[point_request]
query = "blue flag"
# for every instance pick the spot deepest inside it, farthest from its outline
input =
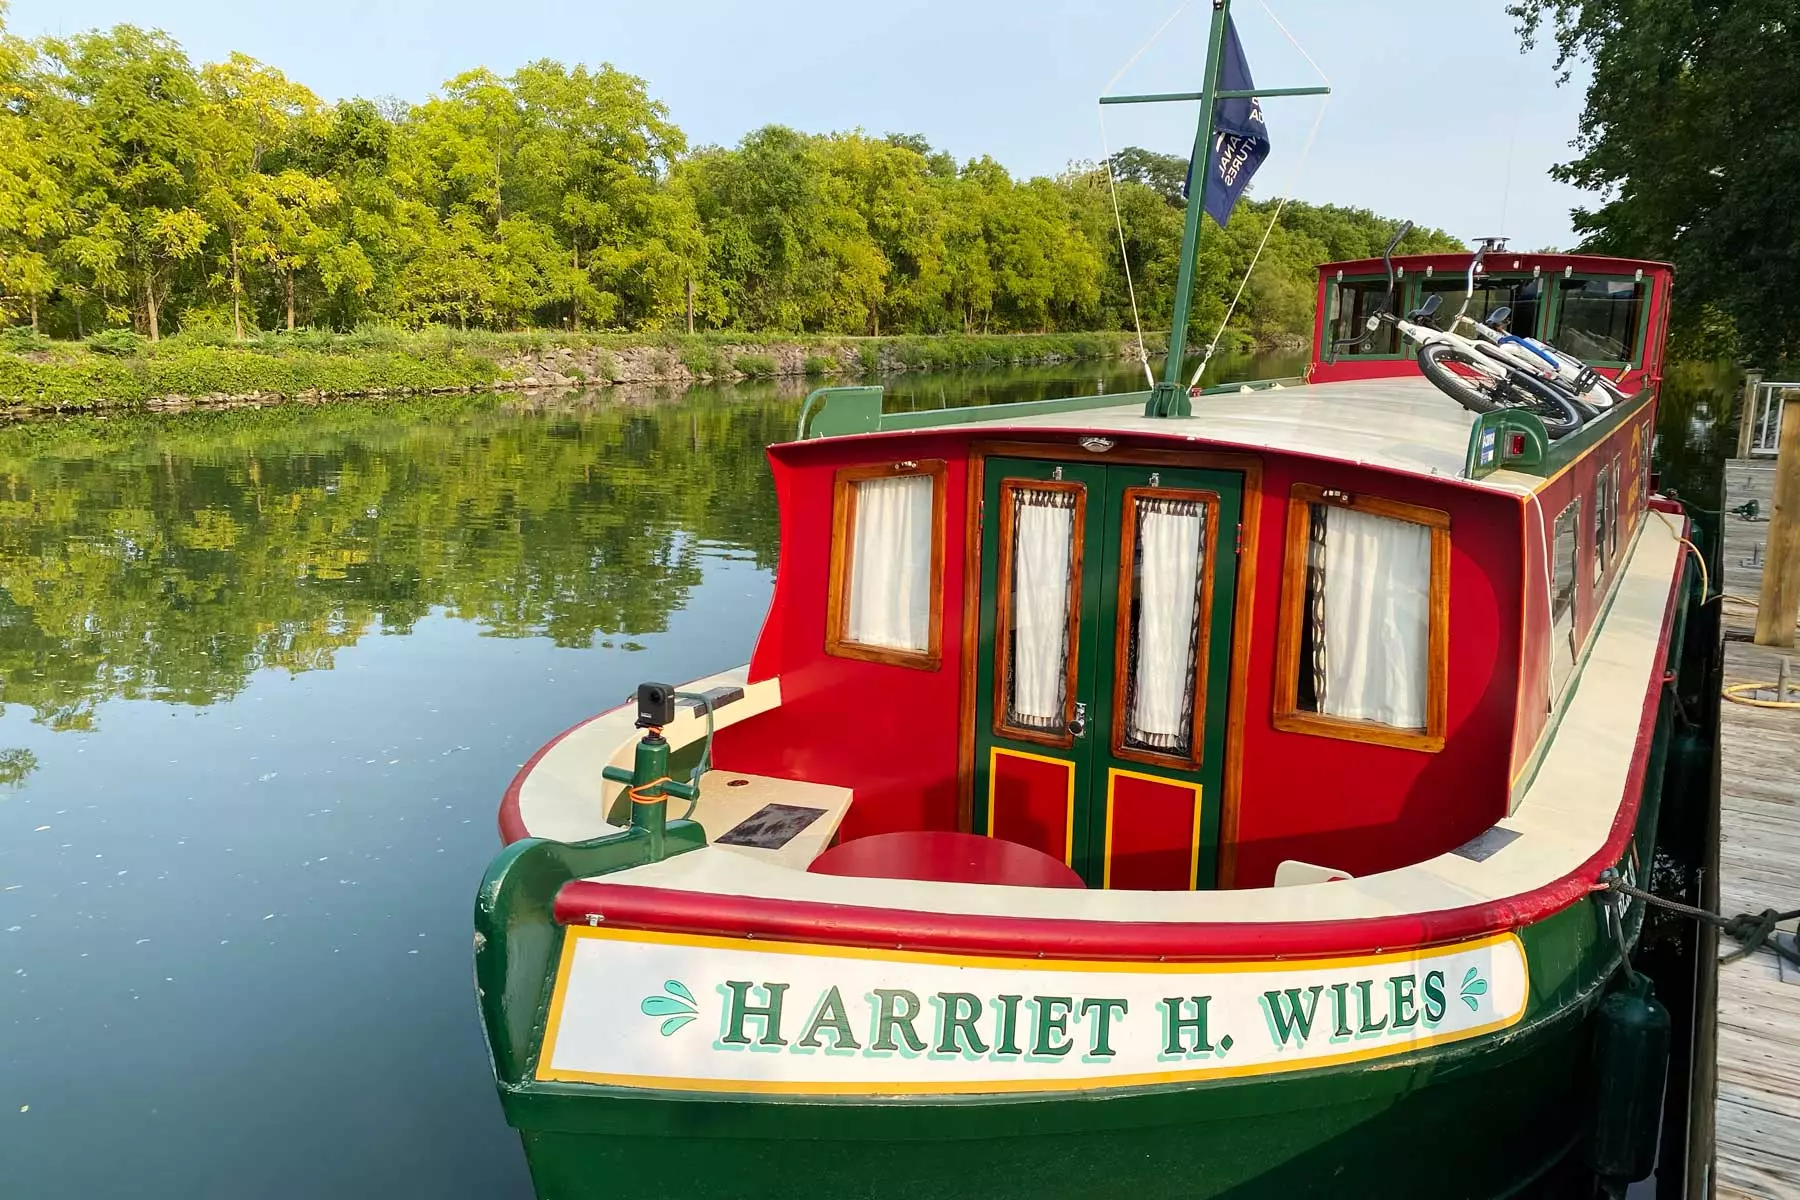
(1240, 139)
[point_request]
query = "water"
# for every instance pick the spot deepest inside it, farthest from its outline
(264, 677)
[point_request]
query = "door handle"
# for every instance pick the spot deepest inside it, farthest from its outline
(1078, 726)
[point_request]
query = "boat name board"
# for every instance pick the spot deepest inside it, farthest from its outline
(669, 1011)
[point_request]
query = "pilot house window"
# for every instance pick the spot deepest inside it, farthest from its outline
(1597, 320)
(1365, 620)
(887, 564)
(1351, 304)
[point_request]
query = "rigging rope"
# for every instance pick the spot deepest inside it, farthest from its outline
(1144, 49)
(1299, 170)
(1112, 182)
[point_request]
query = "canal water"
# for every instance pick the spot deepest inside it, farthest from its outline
(264, 675)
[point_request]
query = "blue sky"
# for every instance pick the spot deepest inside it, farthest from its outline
(1437, 115)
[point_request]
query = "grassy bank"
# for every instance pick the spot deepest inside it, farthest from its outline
(120, 370)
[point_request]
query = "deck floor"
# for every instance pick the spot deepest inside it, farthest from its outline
(1757, 1130)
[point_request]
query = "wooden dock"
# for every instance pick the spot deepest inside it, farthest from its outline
(1757, 1114)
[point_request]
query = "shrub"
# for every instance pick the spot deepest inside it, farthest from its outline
(701, 359)
(818, 365)
(120, 343)
(756, 366)
(23, 338)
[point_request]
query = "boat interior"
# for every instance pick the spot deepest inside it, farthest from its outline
(1311, 654)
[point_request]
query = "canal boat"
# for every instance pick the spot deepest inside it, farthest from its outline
(1172, 793)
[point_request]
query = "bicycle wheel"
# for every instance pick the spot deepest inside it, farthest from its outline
(1472, 384)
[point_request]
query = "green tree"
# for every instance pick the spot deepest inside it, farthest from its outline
(1687, 134)
(34, 206)
(143, 102)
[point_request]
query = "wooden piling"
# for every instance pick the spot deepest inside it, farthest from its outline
(1779, 603)
(1747, 416)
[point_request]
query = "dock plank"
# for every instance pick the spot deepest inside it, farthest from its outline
(1757, 1123)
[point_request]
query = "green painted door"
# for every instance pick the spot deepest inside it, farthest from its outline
(1103, 661)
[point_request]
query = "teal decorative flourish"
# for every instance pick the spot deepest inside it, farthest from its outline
(678, 1006)
(1473, 985)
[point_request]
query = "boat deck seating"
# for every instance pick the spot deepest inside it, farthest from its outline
(1293, 873)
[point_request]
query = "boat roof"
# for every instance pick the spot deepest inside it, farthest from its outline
(1404, 425)
(1501, 262)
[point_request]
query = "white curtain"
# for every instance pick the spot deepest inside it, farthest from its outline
(1168, 608)
(1043, 540)
(890, 564)
(1377, 618)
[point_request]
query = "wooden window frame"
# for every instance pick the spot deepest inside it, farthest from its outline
(1288, 716)
(1209, 502)
(1003, 611)
(843, 551)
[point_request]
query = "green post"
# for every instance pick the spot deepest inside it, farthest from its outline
(650, 811)
(1170, 397)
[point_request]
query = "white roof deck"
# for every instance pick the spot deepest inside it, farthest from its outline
(1404, 425)
(1399, 425)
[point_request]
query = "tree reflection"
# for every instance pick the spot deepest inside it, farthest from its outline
(168, 558)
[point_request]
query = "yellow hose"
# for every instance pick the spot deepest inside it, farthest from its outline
(1734, 694)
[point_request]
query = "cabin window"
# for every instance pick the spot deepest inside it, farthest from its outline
(887, 564)
(1602, 510)
(1351, 303)
(1612, 512)
(1521, 296)
(1566, 560)
(1365, 620)
(1165, 591)
(1597, 320)
(1042, 526)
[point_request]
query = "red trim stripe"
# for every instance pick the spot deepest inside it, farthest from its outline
(669, 910)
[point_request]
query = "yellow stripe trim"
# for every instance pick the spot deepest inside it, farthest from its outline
(1113, 775)
(994, 753)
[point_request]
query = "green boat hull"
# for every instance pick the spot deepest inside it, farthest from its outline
(1493, 1116)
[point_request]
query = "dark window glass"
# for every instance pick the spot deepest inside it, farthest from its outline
(1602, 506)
(1599, 319)
(1520, 295)
(1352, 303)
(1568, 539)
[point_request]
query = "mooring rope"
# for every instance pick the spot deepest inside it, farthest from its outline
(1752, 932)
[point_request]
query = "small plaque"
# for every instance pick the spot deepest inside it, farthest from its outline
(770, 827)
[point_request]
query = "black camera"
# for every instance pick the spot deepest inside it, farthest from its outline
(656, 705)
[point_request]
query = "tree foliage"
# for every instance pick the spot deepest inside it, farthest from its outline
(135, 186)
(1688, 136)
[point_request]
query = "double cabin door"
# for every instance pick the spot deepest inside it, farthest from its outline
(1104, 657)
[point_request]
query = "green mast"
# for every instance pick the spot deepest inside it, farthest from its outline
(1170, 397)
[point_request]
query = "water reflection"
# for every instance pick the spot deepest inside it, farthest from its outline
(168, 558)
(1696, 429)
